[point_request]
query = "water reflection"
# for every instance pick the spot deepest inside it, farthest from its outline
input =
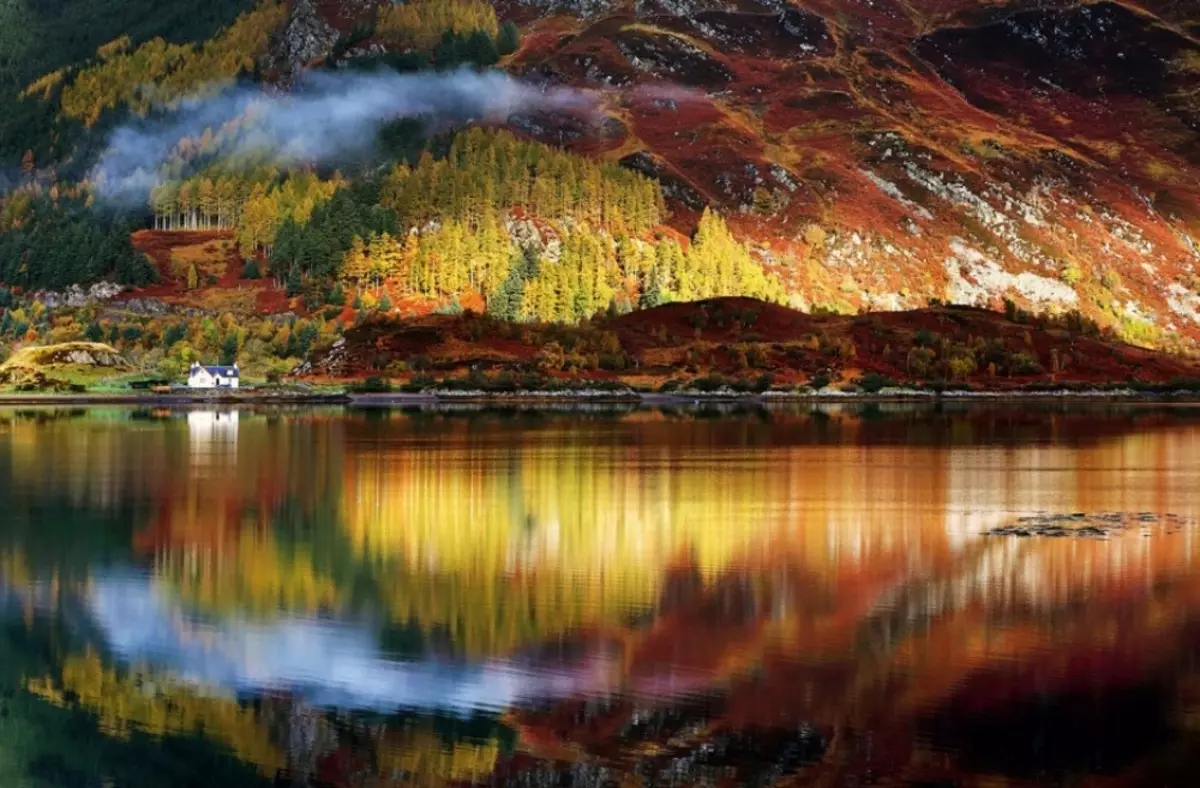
(618, 595)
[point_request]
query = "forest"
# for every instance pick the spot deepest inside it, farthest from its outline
(431, 220)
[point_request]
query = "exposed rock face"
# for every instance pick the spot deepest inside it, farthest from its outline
(305, 37)
(92, 358)
(76, 296)
(578, 7)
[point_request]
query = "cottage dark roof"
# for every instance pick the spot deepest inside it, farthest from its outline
(224, 372)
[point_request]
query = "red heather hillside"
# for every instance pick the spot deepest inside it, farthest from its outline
(743, 338)
(882, 153)
(218, 266)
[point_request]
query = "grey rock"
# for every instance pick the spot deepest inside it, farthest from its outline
(304, 38)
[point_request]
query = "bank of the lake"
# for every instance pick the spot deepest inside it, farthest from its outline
(585, 395)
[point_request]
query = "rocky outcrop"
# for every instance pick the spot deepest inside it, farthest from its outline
(305, 37)
(77, 296)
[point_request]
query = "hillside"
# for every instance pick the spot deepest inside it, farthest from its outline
(832, 155)
(882, 153)
(62, 367)
(742, 342)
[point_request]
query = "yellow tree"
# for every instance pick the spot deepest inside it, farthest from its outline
(356, 265)
(386, 257)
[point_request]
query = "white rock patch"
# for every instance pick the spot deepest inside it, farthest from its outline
(976, 279)
(1183, 302)
(893, 191)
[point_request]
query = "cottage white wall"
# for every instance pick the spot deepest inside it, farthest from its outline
(201, 380)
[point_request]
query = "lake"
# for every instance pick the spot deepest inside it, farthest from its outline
(836, 595)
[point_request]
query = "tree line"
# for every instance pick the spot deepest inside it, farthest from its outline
(583, 272)
(421, 24)
(488, 170)
(41, 38)
(156, 71)
(52, 240)
(254, 203)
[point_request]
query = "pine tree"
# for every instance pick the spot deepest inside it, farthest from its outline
(295, 284)
(509, 39)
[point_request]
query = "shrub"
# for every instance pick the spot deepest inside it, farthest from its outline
(1071, 274)
(819, 381)
(452, 308)
(250, 269)
(709, 383)
(756, 356)
(961, 366)
(613, 362)
(1022, 363)
(920, 361)
(374, 385)
(873, 382)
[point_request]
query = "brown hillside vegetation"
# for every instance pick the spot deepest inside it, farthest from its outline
(884, 153)
(61, 366)
(744, 339)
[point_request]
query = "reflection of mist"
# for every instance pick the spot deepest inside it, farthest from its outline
(327, 663)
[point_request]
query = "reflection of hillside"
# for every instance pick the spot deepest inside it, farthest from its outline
(282, 738)
(149, 703)
(202, 463)
(1014, 625)
(495, 537)
(253, 576)
(711, 599)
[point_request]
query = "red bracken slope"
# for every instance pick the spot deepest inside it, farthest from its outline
(745, 339)
(881, 152)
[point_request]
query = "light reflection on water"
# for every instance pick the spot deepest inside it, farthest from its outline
(354, 598)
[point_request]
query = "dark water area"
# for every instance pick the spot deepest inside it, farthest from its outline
(597, 596)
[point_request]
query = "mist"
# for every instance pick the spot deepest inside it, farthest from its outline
(328, 115)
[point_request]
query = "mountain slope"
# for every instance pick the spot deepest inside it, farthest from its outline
(878, 154)
(884, 153)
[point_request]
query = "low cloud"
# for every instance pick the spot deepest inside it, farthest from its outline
(328, 115)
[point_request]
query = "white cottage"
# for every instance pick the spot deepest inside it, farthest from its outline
(213, 377)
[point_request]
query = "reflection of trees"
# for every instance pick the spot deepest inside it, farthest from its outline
(428, 759)
(146, 702)
(944, 652)
(276, 736)
(498, 545)
(48, 744)
(255, 576)
(828, 595)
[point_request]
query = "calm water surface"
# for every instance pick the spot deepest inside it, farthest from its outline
(617, 598)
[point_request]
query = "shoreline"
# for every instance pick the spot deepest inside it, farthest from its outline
(171, 400)
(643, 399)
